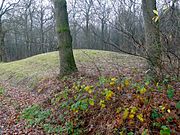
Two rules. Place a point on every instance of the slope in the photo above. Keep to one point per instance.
(29, 71)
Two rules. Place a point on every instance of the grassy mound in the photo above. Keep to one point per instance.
(29, 71)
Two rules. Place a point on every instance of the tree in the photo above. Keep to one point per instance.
(44, 15)
(152, 34)
(103, 13)
(5, 7)
(67, 62)
(85, 7)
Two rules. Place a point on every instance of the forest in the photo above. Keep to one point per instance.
(89, 67)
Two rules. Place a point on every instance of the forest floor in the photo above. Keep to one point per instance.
(111, 94)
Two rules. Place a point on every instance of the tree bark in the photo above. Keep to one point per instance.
(2, 44)
(152, 34)
(87, 32)
(67, 62)
(42, 48)
(74, 42)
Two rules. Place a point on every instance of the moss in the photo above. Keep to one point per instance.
(63, 29)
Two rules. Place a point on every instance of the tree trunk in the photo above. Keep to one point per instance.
(75, 35)
(31, 34)
(67, 62)
(42, 50)
(27, 52)
(152, 35)
(87, 32)
(2, 44)
(102, 35)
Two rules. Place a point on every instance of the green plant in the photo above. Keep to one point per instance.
(178, 105)
(170, 119)
(59, 96)
(166, 81)
(170, 93)
(148, 80)
(64, 104)
(160, 88)
(48, 128)
(145, 132)
(35, 115)
(2, 91)
(69, 127)
(157, 124)
(102, 80)
(59, 129)
(61, 117)
(155, 114)
(72, 129)
(80, 105)
(165, 130)
(130, 133)
(108, 94)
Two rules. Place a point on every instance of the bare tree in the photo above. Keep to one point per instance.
(5, 7)
(103, 12)
(86, 7)
(67, 62)
(44, 16)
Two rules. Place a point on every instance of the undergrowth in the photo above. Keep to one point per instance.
(2, 91)
(109, 105)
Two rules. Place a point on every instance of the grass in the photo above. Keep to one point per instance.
(29, 71)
